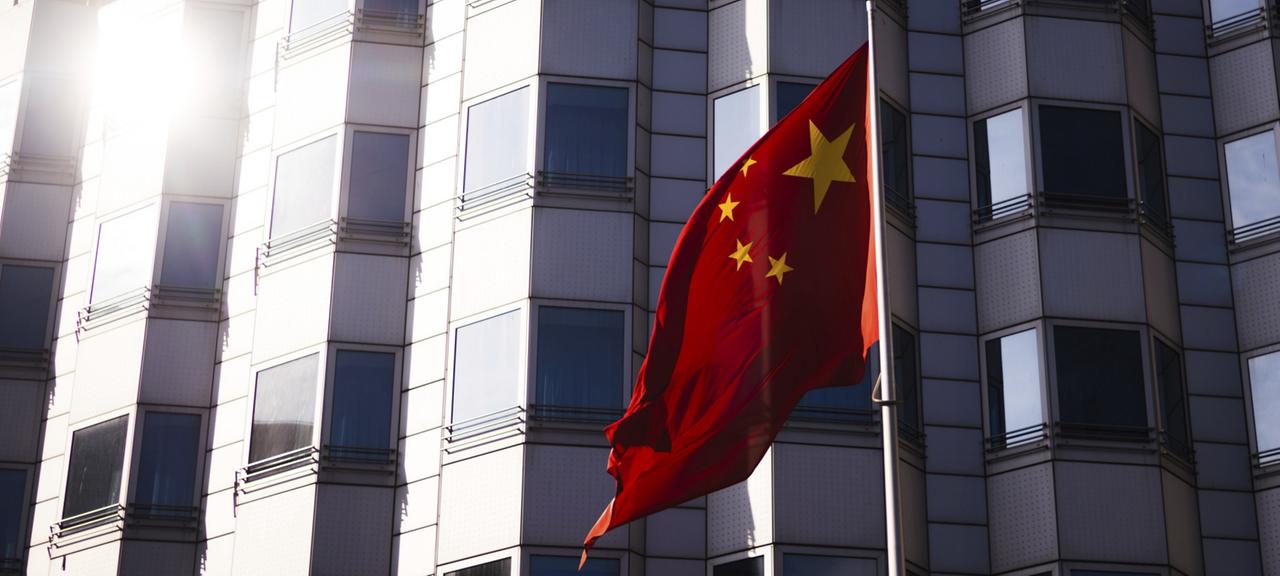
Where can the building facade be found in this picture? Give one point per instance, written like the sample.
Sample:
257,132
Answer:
350,286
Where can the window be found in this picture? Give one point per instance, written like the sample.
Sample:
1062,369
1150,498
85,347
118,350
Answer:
1253,184
97,460
497,143
496,568
811,565
1082,153
1264,383
586,131
25,294
13,503
905,373
1100,380
1174,420
304,187
360,420
284,407
1222,10
393,6
1013,388
568,566
843,403
580,363
1109,573
307,13
125,257
1151,189
790,95
486,367
999,151
737,126
192,243
167,469
745,567
895,154
379,176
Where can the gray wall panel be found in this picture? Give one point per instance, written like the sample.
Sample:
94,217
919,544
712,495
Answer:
937,94
1244,87
1228,515
1180,7
1186,156
942,178
684,114
812,38
952,403
944,265
1187,115
960,499
1219,419
674,200
995,66
954,450
1111,513
1180,35
680,29
1257,292
938,221
677,533
938,136
1200,241
1208,328
733,59
960,549
1183,75
679,156
946,310
1092,70
1182,524
1160,284
1204,284
589,38
1140,77
1024,528
948,356
1234,557
936,16
1008,275
1223,466
934,53
1195,198
351,533
679,71
1091,275
1269,529
829,496
1212,373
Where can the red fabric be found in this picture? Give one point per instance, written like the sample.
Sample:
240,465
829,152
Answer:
733,350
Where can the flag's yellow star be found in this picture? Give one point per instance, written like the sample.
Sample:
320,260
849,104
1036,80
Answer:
825,163
726,207
742,253
747,166
778,267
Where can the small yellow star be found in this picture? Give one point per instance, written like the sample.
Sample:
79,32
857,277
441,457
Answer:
726,207
747,166
741,254
825,163
778,267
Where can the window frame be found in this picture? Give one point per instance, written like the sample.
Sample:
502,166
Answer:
916,431
770,555
1157,394
126,465
539,99
288,16
910,198
1028,159
50,327
771,108
525,566
1037,137
134,458
1136,121
1144,340
346,153
517,567
322,361
523,376
1047,401
223,236
1225,179
115,215
340,144
28,497
1250,407
328,380
532,135
531,366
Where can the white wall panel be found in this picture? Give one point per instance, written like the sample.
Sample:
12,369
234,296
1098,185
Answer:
21,407
582,255
742,516
385,84
426,361
219,514
33,220
589,38
56,429
15,28
231,379
143,558
50,488
293,308
428,316
1091,275
480,505
353,530
311,93
414,553
738,47
502,46
201,159
444,56
222,464
273,535
440,99
431,270
422,408
432,227
369,299
565,491
1111,513
1093,70
491,264
101,560
445,18
227,424
416,504
829,496
437,141
108,370
420,456
216,556
238,295
132,168
1269,529
437,182
177,365
236,335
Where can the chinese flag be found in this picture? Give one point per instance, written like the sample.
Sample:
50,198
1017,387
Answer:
770,293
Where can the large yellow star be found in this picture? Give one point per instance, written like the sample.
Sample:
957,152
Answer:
741,254
747,166
825,163
778,267
726,207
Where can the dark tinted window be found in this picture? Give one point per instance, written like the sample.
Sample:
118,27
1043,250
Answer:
843,403
13,499
1108,573
1151,174
790,95
586,130
93,475
1082,152
1173,400
379,176
906,374
496,568
192,239
568,566
580,359
813,565
284,408
895,156
1099,376
744,567
396,6
25,293
167,469
363,384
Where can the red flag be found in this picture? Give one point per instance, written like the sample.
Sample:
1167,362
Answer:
770,293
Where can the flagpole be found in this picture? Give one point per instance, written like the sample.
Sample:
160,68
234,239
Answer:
887,398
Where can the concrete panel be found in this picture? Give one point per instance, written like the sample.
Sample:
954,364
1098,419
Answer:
1208,328
108,370
1111,513
1212,373
1008,278
352,533
948,356
501,46
491,263
683,114
680,29
945,266
679,71
941,178
812,38
957,499
1183,75
954,450
21,407
1140,77
1257,292
947,222
1232,557
742,516
1244,87
1228,515
673,200
960,549
937,94
1161,288
369,299
1187,156
946,310
273,535
679,156
594,38
1200,241
995,66
1023,526
582,255
33,220
824,496
311,94
414,553
952,403
564,491
1092,275
738,45
480,505
677,533
1204,284
1182,523
1218,419
938,136
1269,529
177,365
1187,115
142,558
292,308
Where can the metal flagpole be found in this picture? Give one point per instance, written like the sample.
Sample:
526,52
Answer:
887,398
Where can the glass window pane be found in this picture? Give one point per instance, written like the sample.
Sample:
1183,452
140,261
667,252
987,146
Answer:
1074,138
93,474
895,155
25,293
1109,573
363,384
497,140
486,366
304,187
586,131
905,370
1000,151
167,468
379,176
306,13
1151,174
811,565
737,127
192,241
1224,9
126,251
1173,400
790,95
13,502
284,408
1100,376
843,403
580,359
1264,382
1253,179
745,567
397,6
1013,383
496,568
568,566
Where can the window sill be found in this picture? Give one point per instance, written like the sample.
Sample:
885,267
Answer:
978,14
335,29
1238,30
487,430
584,187
85,530
24,360
279,469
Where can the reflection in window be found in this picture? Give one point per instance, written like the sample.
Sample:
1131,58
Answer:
1222,10
843,403
497,141
25,294
1013,388
1100,377
812,565
1151,188
1264,383
999,151
486,367
790,95
737,127
1253,179
568,566
586,130
895,154
97,459
304,187
13,502
167,468
192,242
1082,153
745,567
363,385
379,176
580,360
125,258
496,568
307,13
1173,400
284,407
906,381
